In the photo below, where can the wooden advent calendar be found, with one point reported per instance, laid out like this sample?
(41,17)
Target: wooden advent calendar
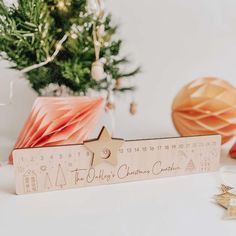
(107,161)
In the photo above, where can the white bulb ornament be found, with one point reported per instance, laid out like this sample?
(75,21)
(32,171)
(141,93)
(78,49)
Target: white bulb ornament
(97,71)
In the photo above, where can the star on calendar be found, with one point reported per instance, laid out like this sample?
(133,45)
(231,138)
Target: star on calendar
(104,148)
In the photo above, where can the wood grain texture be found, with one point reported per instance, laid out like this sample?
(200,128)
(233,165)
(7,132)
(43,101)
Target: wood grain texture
(63,167)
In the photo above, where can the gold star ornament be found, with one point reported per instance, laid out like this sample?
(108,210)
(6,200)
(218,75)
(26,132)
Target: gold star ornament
(104,148)
(227,199)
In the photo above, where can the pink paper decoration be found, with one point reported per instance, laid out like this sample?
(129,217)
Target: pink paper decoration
(56,121)
(232,151)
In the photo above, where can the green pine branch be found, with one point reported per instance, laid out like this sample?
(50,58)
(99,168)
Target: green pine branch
(30,31)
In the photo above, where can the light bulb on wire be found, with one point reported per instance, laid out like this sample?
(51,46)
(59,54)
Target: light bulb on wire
(63,4)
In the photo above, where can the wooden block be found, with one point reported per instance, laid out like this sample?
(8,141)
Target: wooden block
(108,161)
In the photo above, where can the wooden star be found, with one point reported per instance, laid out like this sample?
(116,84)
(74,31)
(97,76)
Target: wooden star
(104,148)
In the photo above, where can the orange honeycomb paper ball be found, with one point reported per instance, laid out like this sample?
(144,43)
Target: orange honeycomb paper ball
(206,106)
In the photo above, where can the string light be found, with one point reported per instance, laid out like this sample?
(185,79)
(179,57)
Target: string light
(61,5)
(58,46)
(50,58)
(74,36)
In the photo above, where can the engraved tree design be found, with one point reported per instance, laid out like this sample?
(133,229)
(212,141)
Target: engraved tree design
(190,166)
(60,180)
(47,182)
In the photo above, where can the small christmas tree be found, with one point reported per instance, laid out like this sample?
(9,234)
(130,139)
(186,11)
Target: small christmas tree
(47,182)
(64,43)
(190,166)
(60,179)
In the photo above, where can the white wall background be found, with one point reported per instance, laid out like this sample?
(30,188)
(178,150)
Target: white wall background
(175,41)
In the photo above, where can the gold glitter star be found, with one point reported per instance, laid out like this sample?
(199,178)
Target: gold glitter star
(225,188)
(227,199)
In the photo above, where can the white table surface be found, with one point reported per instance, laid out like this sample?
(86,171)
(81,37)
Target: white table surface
(168,206)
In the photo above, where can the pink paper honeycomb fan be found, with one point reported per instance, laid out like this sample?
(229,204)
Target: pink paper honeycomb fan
(56,121)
